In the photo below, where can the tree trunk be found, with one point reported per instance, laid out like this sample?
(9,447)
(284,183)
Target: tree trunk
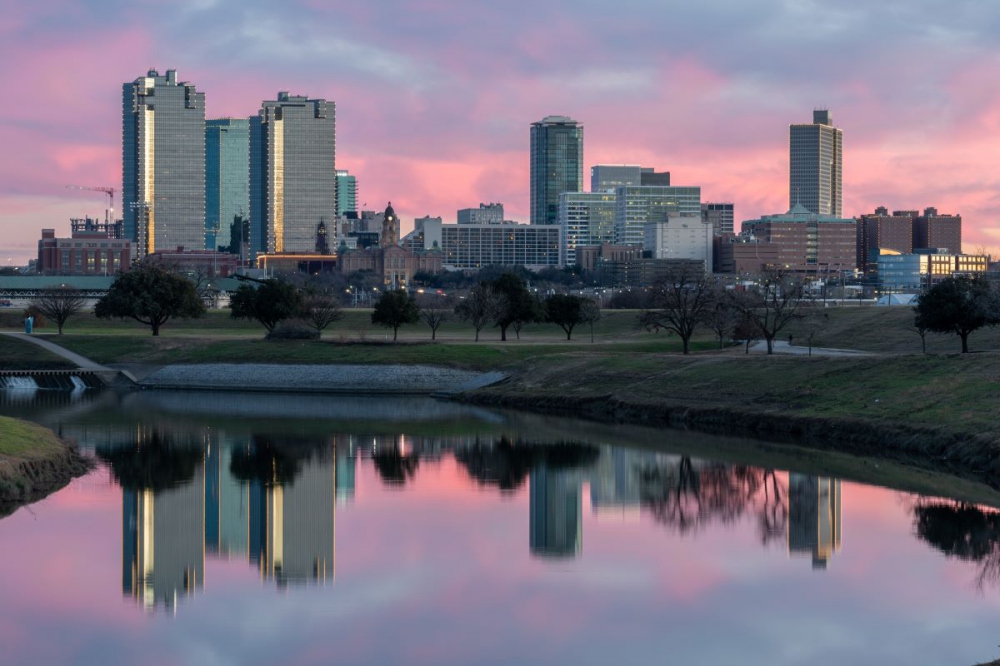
(965,342)
(433,333)
(569,333)
(156,328)
(477,335)
(685,344)
(503,334)
(770,344)
(395,329)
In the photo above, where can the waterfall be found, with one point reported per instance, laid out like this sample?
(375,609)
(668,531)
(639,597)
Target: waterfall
(20,383)
(78,384)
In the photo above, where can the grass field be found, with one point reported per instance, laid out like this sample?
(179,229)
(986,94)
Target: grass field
(26,441)
(19,355)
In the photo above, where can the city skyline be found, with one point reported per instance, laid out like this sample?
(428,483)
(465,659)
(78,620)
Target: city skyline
(435,118)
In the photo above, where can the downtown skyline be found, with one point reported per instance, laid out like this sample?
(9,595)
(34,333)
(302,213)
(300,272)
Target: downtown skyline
(434,110)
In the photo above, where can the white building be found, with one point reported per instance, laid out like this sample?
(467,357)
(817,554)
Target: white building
(680,237)
(637,206)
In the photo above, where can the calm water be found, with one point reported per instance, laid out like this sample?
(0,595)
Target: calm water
(265,529)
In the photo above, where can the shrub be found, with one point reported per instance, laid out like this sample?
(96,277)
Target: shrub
(292,330)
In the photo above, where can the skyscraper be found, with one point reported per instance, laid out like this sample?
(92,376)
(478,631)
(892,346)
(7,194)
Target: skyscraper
(227,177)
(815,166)
(605,177)
(293,173)
(347,193)
(556,165)
(163,163)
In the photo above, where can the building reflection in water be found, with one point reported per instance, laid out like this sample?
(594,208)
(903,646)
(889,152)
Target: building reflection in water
(813,517)
(556,525)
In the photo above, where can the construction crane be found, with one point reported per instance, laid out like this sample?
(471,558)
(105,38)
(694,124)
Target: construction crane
(110,191)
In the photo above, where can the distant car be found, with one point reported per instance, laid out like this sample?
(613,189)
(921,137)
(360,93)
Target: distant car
(5,303)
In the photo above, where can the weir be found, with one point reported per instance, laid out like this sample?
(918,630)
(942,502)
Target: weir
(20,383)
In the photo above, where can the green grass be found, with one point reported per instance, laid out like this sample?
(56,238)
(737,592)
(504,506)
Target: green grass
(26,441)
(20,355)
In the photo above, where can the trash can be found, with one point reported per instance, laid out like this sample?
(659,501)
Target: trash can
(29,324)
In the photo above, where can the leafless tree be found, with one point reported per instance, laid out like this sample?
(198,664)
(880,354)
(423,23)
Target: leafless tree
(59,305)
(722,317)
(680,302)
(435,310)
(590,314)
(322,309)
(772,304)
(481,306)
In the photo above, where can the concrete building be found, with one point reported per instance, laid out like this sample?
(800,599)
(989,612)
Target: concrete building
(592,257)
(476,245)
(486,214)
(292,173)
(637,206)
(935,230)
(816,165)
(585,218)
(743,254)
(227,177)
(93,249)
(680,237)
(347,193)
(605,177)
(806,242)
(556,165)
(720,215)
(163,163)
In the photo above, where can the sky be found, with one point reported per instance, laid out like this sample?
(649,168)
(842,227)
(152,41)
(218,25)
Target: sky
(435,97)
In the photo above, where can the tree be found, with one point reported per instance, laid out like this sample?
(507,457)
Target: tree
(721,318)
(59,305)
(151,295)
(520,307)
(680,301)
(434,310)
(565,311)
(481,306)
(772,305)
(395,308)
(747,331)
(591,314)
(959,305)
(322,308)
(268,302)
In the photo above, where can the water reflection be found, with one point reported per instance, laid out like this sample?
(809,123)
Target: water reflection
(814,517)
(964,531)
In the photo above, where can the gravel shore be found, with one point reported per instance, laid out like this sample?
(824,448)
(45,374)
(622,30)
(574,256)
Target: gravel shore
(413,379)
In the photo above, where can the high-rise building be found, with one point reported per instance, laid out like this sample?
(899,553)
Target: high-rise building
(720,216)
(227,177)
(292,173)
(556,165)
(881,231)
(347,193)
(605,177)
(650,177)
(816,165)
(680,237)
(163,163)
(937,230)
(585,218)
(486,214)
(637,206)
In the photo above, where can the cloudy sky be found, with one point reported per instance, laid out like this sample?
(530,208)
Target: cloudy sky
(435,97)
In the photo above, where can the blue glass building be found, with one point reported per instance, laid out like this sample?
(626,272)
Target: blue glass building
(227,177)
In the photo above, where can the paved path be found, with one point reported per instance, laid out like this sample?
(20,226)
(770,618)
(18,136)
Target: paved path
(82,362)
(782,347)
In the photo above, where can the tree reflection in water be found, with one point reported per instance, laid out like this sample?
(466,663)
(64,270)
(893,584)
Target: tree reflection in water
(962,530)
(277,460)
(158,461)
(686,497)
(507,463)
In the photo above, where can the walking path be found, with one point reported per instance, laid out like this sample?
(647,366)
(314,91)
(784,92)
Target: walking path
(82,362)
(783,347)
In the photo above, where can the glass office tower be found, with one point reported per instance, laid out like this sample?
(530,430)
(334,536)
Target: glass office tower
(556,165)
(227,177)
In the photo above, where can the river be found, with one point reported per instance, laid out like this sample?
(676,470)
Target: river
(234,528)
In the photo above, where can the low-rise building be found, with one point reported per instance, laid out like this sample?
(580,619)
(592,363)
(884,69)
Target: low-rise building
(913,272)
(94,248)
(680,237)
(805,242)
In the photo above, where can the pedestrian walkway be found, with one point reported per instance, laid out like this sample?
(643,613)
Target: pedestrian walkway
(82,362)
(783,347)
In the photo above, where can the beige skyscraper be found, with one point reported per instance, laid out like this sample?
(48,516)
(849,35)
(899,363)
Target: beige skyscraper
(816,166)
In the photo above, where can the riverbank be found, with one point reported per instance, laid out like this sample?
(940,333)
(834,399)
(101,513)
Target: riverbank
(34,463)
(936,412)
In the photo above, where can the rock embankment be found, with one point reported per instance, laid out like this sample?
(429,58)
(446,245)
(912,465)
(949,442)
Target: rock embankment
(399,379)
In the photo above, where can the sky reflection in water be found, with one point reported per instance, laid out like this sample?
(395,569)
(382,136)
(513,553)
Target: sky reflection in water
(215,532)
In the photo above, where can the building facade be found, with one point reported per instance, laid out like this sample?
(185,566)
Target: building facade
(585,218)
(816,166)
(491,213)
(807,243)
(680,237)
(347,193)
(635,207)
(163,163)
(914,272)
(93,251)
(477,245)
(556,165)
(605,177)
(720,215)
(883,231)
(227,177)
(292,173)
(938,231)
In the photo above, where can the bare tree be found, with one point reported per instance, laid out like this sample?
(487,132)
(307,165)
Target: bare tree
(590,312)
(681,302)
(722,317)
(772,305)
(746,331)
(481,306)
(322,309)
(59,305)
(435,310)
